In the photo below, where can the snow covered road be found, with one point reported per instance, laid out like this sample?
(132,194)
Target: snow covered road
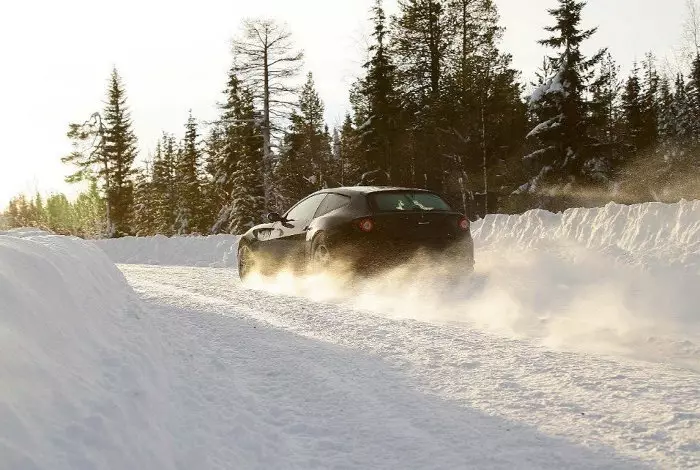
(285,381)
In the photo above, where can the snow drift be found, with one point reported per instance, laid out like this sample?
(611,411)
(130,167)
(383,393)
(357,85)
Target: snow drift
(212,251)
(81,375)
(651,234)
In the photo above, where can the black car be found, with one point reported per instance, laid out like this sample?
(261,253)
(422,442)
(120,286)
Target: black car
(361,227)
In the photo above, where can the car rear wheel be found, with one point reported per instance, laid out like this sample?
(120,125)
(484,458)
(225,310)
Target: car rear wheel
(320,253)
(246,262)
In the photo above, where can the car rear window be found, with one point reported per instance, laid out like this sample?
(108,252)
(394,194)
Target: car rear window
(397,201)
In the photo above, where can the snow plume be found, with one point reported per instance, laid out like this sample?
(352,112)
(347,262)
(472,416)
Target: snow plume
(82,379)
(614,280)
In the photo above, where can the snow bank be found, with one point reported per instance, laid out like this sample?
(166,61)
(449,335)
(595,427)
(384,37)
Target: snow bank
(212,251)
(82,381)
(648,234)
(651,234)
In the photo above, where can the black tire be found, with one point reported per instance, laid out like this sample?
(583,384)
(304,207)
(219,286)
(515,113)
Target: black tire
(320,256)
(246,261)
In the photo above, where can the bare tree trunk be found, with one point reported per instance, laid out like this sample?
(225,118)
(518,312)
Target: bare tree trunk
(266,128)
(483,150)
(266,63)
(692,27)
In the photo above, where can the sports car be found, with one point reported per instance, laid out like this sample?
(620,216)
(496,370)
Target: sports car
(361,228)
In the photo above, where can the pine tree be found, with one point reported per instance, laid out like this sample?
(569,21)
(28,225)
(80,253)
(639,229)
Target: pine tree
(632,107)
(484,111)
(693,89)
(353,164)
(305,158)
(144,203)
(380,115)
(238,151)
(648,137)
(164,186)
(188,190)
(119,152)
(420,47)
(605,119)
(565,154)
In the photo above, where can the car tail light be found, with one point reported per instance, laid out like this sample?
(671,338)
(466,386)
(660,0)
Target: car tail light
(464,224)
(366,225)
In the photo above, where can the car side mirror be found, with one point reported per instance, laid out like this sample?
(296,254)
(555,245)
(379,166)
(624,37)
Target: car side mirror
(274,217)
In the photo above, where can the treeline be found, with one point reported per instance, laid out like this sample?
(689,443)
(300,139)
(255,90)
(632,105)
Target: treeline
(83,217)
(438,106)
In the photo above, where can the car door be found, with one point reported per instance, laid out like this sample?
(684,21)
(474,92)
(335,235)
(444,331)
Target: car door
(291,232)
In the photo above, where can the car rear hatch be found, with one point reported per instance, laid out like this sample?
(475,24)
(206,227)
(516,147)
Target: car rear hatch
(414,216)
(417,226)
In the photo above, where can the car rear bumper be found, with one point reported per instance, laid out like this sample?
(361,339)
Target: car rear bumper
(377,254)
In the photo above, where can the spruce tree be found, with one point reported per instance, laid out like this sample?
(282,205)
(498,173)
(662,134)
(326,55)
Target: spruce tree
(304,162)
(144,203)
(420,47)
(605,119)
(565,154)
(188,190)
(238,152)
(352,161)
(632,108)
(486,117)
(247,205)
(119,152)
(380,116)
(693,89)
(89,213)
(40,211)
(60,215)
(164,186)
(648,137)
(13,214)
(211,201)
(667,120)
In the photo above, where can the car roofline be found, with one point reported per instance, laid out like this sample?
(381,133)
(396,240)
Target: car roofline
(347,190)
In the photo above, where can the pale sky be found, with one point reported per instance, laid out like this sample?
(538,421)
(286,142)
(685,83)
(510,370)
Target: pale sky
(56,56)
